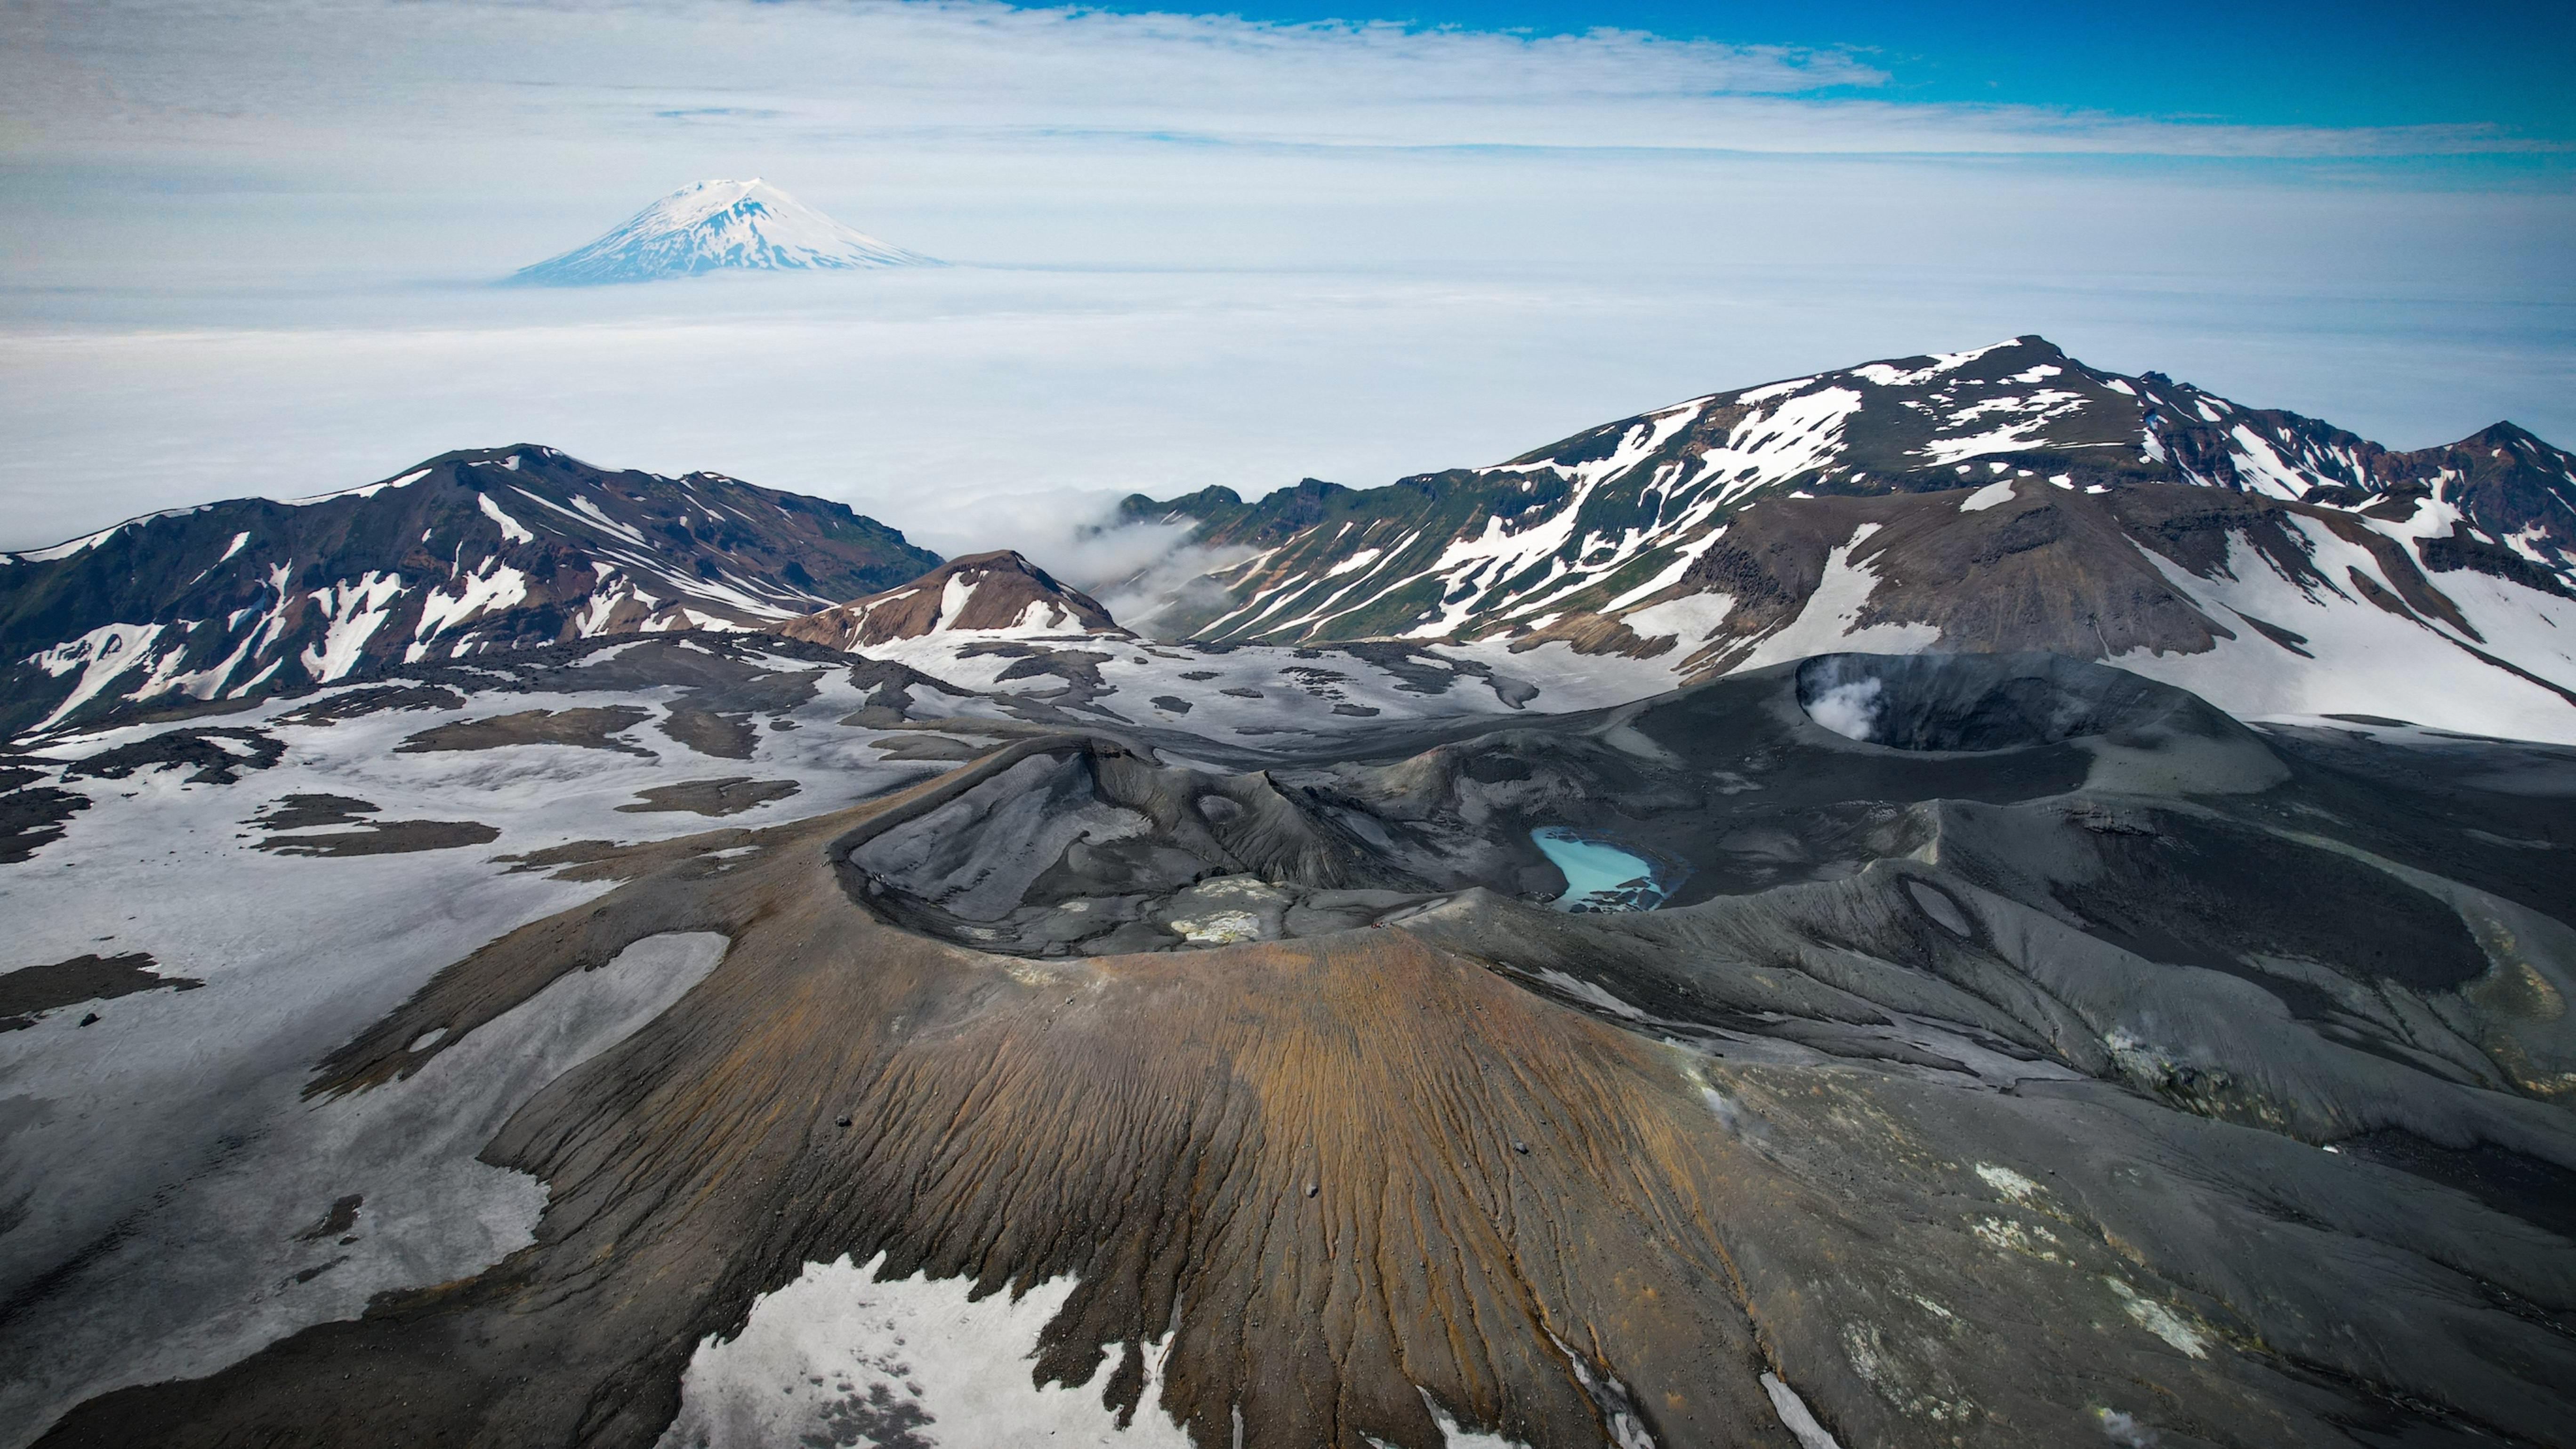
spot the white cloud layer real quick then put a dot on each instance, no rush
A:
(980, 409)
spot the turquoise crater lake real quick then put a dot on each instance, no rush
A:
(1601, 875)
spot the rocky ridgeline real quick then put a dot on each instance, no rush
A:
(467, 553)
(2005, 498)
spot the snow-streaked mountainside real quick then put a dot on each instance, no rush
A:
(466, 553)
(2004, 498)
(713, 226)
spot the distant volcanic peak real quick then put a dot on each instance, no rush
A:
(996, 593)
(2506, 430)
(2510, 441)
(720, 226)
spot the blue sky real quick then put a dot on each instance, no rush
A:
(2504, 64)
(250, 242)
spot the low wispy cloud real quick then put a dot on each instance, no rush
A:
(1137, 568)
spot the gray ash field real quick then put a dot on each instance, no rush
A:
(2016, 1051)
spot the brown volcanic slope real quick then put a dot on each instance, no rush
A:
(1358, 1167)
(2047, 569)
(998, 590)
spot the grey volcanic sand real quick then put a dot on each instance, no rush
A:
(1972, 1090)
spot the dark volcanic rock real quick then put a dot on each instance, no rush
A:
(312, 812)
(216, 754)
(378, 837)
(30, 991)
(386, 837)
(32, 818)
(585, 728)
(355, 703)
(729, 796)
(724, 736)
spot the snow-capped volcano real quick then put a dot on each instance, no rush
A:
(719, 226)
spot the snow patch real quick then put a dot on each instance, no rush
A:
(1990, 496)
(363, 490)
(2366, 662)
(511, 528)
(492, 587)
(2008, 1182)
(354, 613)
(1795, 1416)
(1803, 434)
(1752, 395)
(1591, 991)
(837, 1357)
(1454, 1435)
(2031, 415)
(2263, 468)
(1690, 618)
(1886, 375)
(100, 655)
(1830, 622)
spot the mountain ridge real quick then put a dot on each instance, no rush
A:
(1647, 536)
(473, 550)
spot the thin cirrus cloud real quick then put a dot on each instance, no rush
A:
(135, 78)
